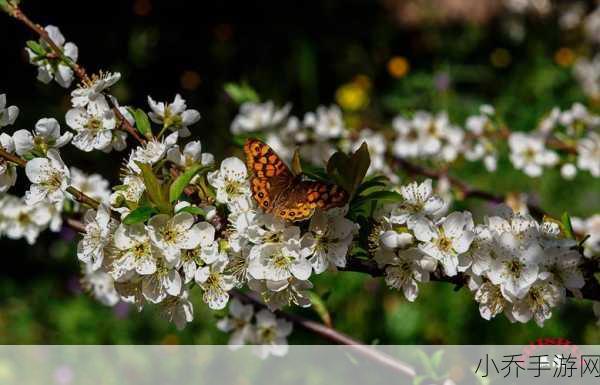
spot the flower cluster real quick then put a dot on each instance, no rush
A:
(513, 264)
(267, 331)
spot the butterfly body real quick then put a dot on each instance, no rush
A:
(278, 191)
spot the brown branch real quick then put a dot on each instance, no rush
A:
(333, 335)
(79, 71)
(12, 158)
(76, 225)
(590, 291)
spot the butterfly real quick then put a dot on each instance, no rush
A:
(278, 191)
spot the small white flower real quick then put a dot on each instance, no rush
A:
(393, 240)
(49, 177)
(178, 309)
(327, 123)
(279, 294)
(174, 116)
(174, 234)
(94, 126)
(101, 285)
(94, 185)
(568, 171)
(130, 191)
(529, 153)
(329, 240)
(165, 281)
(588, 154)
(8, 170)
(99, 228)
(515, 266)
(192, 154)
(206, 252)
(231, 181)
(135, 251)
(258, 116)
(91, 93)
(271, 334)
(419, 202)
(153, 151)
(491, 301)
(238, 323)
(215, 284)
(451, 237)
(49, 69)
(46, 136)
(404, 269)
(538, 303)
(21, 220)
(8, 114)
(564, 265)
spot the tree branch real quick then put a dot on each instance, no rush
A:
(79, 71)
(333, 335)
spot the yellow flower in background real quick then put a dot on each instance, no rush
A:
(398, 66)
(500, 58)
(564, 57)
(354, 96)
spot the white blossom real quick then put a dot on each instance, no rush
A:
(588, 157)
(230, 181)
(94, 185)
(538, 303)
(100, 284)
(258, 116)
(271, 334)
(215, 284)
(206, 252)
(329, 240)
(99, 228)
(174, 234)
(326, 122)
(175, 116)
(419, 202)
(49, 177)
(238, 323)
(21, 220)
(8, 114)
(8, 170)
(46, 136)
(404, 269)
(92, 92)
(95, 126)
(515, 266)
(178, 309)
(165, 281)
(134, 252)
(192, 154)
(56, 69)
(447, 240)
(529, 153)
(153, 151)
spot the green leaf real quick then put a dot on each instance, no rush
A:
(142, 123)
(241, 93)
(377, 181)
(348, 171)
(36, 47)
(567, 226)
(154, 189)
(141, 214)
(318, 305)
(194, 210)
(296, 165)
(182, 181)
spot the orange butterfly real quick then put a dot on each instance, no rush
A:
(282, 193)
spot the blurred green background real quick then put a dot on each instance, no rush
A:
(308, 53)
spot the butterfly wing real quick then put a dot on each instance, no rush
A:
(306, 196)
(271, 177)
(276, 189)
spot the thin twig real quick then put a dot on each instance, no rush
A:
(79, 71)
(334, 336)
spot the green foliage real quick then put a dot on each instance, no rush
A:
(154, 188)
(194, 210)
(36, 47)
(183, 180)
(241, 93)
(142, 123)
(319, 306)
(348, 171)
(139, 215)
